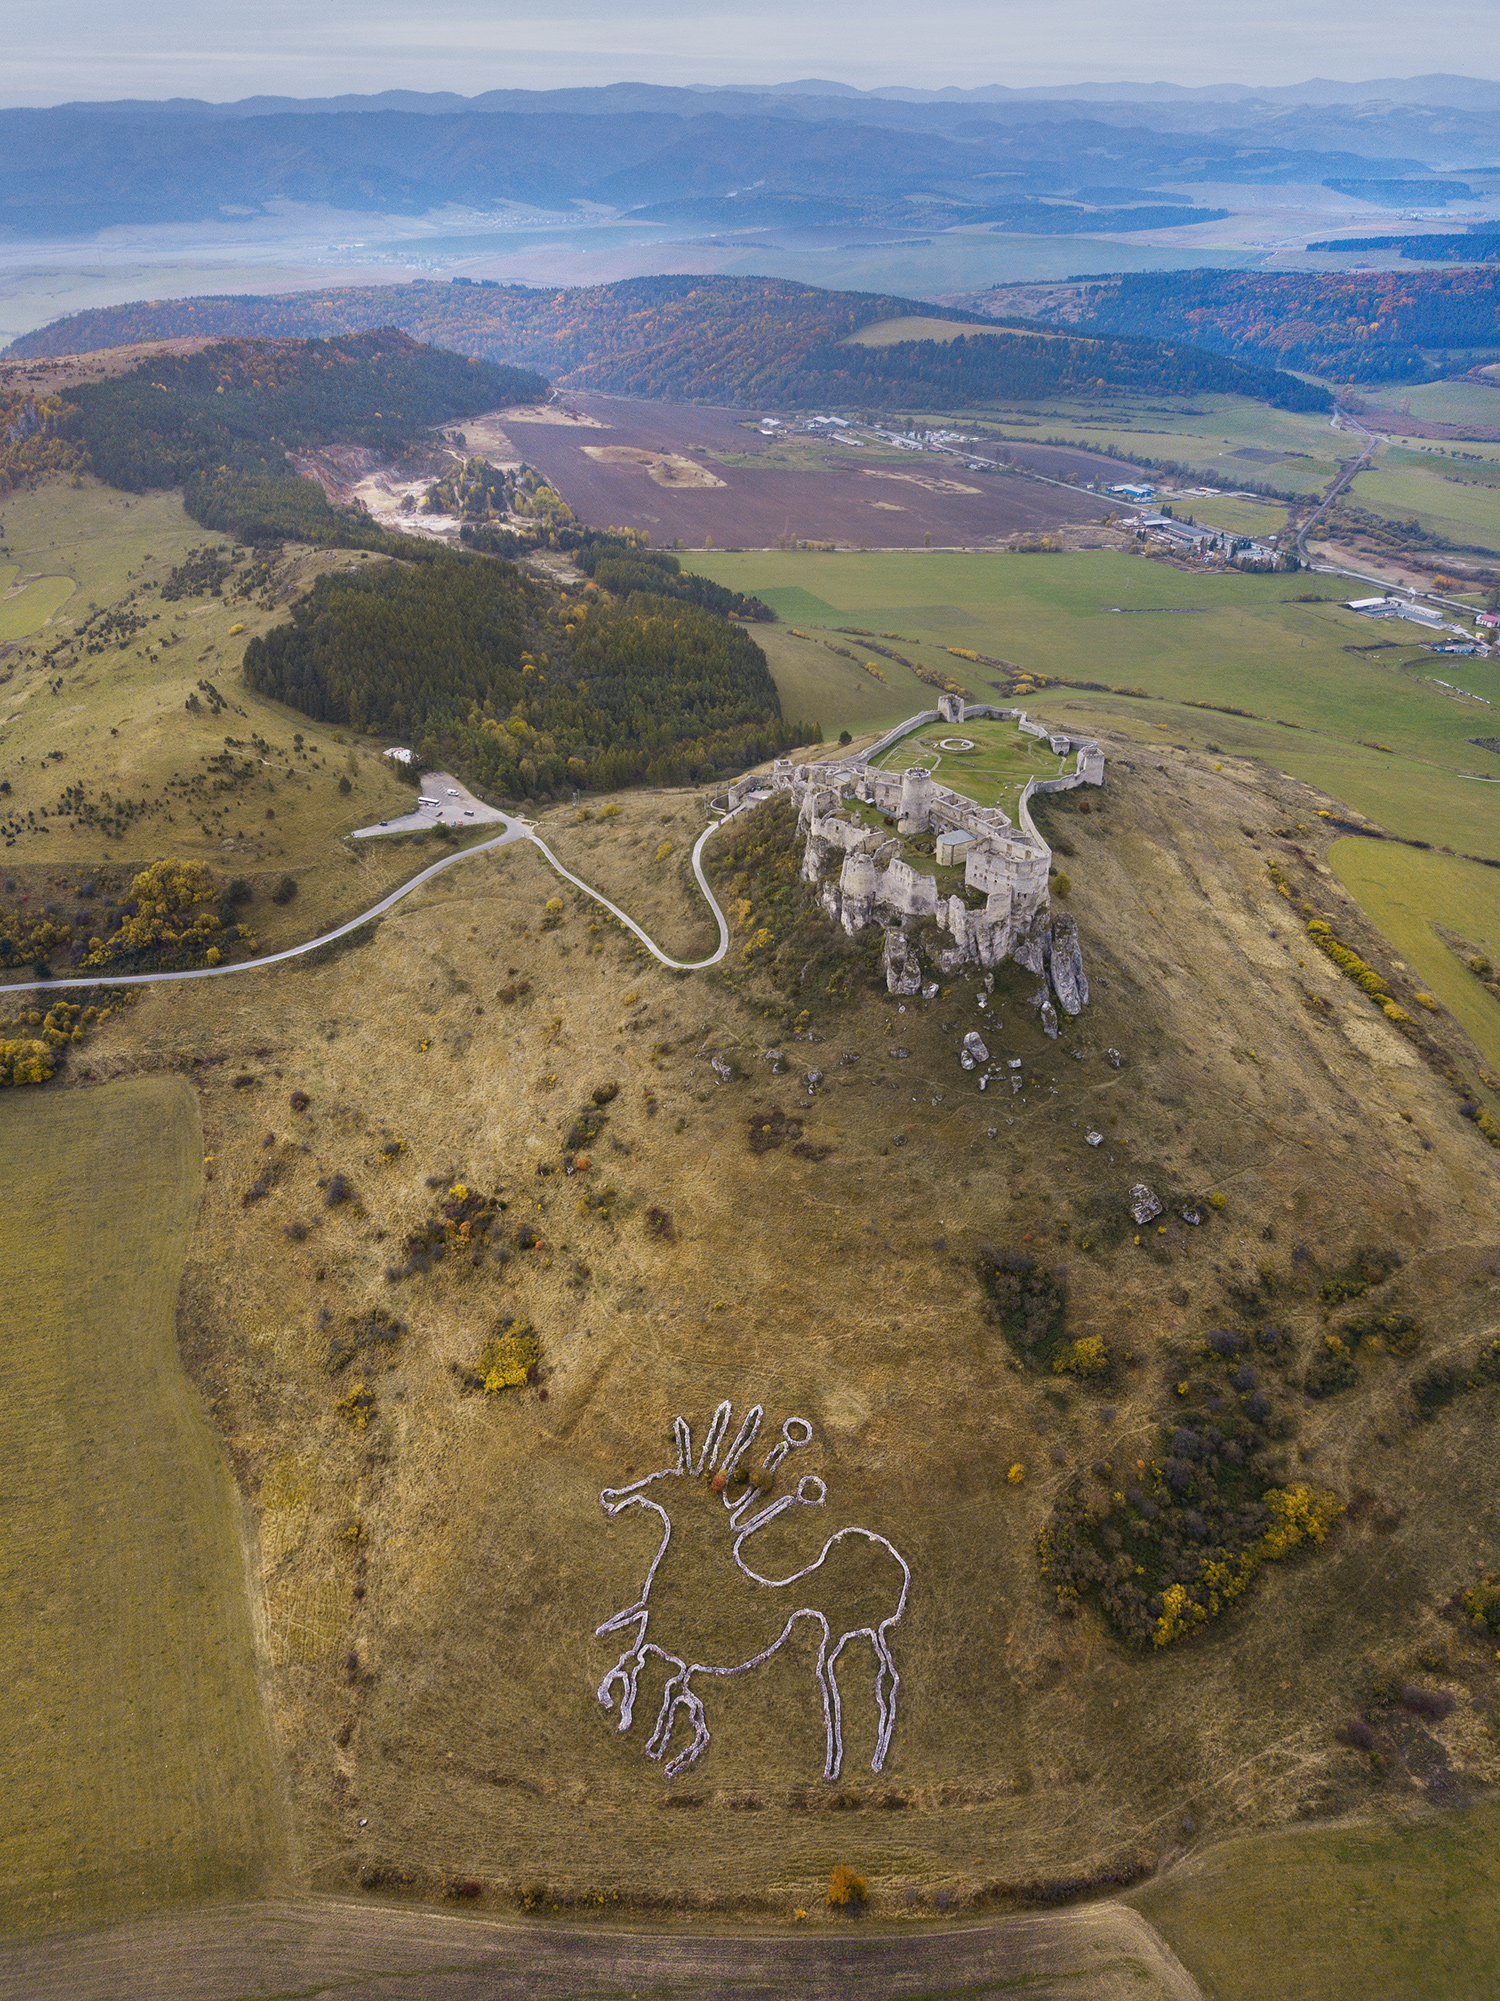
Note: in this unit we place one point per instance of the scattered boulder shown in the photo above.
(1069, 981)
(1030, 950)
(1143, 1204)
(720, 1068)
(1049, 1018)
(1094, 1139)
(974, 1047)
(902, 963)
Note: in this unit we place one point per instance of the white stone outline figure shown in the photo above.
(745, 1521)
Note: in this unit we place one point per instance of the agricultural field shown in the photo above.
(1441, 494)
(135, 1761)
(1324, 694)
(1337, 1914)
(432, 1556)
(1226, 439)
(757, 493)
(1465, 403)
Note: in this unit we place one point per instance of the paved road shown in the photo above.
(373, 1952)
(515, 830)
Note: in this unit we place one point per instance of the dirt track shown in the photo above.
(754, 505)
(1101, 1952)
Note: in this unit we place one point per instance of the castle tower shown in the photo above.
(916, 801)
(951, 708)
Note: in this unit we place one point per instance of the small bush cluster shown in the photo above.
(507, 1361)
(373, 1329)
(464, 1221)
(358, 1405)
(26, 1062)
(769, 1130)
(1367, 1268)
(847, 1889)
(1175, 1545)
(1030, 1303)
(1354, 968)
(1481, 1602)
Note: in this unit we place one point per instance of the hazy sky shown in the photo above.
(61, 49)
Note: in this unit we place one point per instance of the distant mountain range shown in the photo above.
(1096, 158)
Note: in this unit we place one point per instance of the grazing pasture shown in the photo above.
(1340, 1913)
(134, 1759)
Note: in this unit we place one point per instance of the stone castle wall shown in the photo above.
(1007, 862)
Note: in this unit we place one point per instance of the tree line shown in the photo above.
(1356, 326)
(740, 341)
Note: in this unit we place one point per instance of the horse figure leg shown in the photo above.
(679, 1693)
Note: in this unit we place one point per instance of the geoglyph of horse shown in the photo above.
(872, 1600)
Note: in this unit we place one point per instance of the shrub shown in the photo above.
(847, 1889)
(507, 1361)
(1436, 1387)
(1398, 1333)
(1028, 1301)
(1367, 1268)
(770, 1129)
(1088, 1357)
(285, 890)
(1482, 1603)
(358, 1405)
(340, 1189)
(1332, 1368)
(666, 848)
(1357, 1734)
(299, 1101)
(26, 1062)
(1432, 1703)
(1062, 884)
(606, 1093)
(659, 1225)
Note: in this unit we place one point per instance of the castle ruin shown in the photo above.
(1004, 862)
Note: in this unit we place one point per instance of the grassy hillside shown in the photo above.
(135, 1762)
(451, 1541)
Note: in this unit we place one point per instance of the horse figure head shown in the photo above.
(723, 1461)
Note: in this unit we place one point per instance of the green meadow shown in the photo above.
(1413, 897)
(1340, 1914)
(1403, 486)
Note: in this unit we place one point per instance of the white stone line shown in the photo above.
(515, 830)
(745, 1520)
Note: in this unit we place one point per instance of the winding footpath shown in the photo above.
(515, 830)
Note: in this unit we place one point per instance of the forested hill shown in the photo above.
(485, 671)
(219, 423)
(741, 341)
(1355, 326)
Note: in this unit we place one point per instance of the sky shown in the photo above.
(98, 49)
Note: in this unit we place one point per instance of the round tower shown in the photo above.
(916, 801)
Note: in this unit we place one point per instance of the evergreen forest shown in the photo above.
(485, 671)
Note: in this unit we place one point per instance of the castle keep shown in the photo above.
(1004, 862)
